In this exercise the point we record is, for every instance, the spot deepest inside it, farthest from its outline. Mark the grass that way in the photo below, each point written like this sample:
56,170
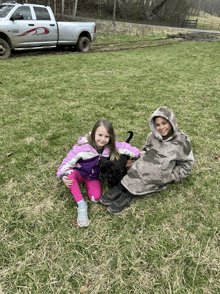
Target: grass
166,242
207,21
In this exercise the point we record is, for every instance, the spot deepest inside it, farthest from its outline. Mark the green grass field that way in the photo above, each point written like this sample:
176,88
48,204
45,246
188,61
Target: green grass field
165,242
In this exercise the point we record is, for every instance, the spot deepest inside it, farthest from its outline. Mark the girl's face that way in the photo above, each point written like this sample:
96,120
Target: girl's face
101,137
163,127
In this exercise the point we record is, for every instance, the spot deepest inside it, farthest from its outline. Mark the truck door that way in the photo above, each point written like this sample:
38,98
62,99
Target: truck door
48,35
23,28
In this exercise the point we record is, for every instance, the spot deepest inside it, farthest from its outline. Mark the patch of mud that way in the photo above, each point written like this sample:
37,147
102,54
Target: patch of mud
197,36
131,29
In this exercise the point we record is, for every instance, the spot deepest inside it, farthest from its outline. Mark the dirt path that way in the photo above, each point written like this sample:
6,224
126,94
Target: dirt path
119,46
170,39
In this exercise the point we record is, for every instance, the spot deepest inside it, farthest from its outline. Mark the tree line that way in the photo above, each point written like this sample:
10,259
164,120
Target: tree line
210,6
164,12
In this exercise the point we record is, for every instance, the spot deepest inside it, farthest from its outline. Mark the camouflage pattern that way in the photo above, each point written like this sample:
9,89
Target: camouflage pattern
165,161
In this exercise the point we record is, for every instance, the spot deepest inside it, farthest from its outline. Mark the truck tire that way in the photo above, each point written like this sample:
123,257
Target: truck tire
83,44
5,50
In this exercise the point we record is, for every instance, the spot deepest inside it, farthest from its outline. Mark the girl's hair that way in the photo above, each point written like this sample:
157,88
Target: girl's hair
114,154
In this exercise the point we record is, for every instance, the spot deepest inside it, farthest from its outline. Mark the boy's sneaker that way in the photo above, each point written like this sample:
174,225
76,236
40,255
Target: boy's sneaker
119,205
112,195
82,219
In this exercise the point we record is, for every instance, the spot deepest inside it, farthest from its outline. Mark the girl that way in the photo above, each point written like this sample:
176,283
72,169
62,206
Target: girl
81,164
166,157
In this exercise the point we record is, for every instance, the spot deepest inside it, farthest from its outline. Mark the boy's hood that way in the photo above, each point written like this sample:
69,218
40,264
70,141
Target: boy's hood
166,113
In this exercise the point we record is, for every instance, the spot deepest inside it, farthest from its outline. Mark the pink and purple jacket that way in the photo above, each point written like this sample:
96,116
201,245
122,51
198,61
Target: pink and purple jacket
84,158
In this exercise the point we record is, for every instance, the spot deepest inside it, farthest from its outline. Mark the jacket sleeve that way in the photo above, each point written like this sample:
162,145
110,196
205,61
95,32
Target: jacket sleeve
69,161
184,161
182,169
127,149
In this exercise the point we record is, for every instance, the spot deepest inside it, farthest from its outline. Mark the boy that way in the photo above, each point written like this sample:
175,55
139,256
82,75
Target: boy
166,157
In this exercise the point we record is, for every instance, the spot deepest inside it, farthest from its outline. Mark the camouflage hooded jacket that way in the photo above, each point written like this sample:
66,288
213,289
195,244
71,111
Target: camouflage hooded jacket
165,161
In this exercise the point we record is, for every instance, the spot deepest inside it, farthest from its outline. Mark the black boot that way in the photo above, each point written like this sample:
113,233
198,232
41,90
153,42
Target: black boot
118,206
112,195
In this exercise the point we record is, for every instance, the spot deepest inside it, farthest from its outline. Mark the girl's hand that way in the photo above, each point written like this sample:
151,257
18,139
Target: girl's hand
142,153
67,181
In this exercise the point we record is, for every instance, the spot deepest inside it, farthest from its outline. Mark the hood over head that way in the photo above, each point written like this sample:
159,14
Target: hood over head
166,113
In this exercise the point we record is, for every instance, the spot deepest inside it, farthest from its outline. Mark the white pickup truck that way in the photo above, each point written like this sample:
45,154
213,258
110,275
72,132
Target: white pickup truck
33,26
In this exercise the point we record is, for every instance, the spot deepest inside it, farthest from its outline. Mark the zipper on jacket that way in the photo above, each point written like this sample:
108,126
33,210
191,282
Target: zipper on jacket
99,159
91,173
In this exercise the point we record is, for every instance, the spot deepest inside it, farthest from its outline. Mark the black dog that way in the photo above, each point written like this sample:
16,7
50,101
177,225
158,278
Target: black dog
114,170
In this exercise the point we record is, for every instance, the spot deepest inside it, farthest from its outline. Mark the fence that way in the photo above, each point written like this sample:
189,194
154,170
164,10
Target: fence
190,23
209,25
202,24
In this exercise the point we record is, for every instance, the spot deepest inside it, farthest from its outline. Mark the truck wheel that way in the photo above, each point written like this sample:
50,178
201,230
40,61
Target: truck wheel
83,44
5,49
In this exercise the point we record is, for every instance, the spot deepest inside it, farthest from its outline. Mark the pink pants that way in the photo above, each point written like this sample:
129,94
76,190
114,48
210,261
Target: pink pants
93,186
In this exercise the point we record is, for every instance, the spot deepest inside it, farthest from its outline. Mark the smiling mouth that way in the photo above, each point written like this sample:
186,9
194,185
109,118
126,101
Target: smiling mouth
163,132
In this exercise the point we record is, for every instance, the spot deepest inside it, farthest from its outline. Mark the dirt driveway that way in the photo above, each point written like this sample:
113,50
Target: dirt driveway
173,35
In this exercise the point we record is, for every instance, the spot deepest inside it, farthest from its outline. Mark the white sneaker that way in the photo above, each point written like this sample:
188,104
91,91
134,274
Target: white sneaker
82,219
93,199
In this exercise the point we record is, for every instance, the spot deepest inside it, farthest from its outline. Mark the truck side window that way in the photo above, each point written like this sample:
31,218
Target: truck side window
42,13
25,10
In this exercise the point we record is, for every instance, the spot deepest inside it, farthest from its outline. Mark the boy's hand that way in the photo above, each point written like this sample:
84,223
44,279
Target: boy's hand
129,163
142,153
67,181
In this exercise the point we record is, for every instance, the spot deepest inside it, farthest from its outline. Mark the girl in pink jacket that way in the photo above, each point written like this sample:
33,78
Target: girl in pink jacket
81,164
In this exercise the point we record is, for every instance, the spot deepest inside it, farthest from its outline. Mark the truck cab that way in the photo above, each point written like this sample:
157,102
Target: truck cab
29,25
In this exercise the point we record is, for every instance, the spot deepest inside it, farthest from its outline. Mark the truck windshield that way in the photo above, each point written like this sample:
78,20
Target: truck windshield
4,10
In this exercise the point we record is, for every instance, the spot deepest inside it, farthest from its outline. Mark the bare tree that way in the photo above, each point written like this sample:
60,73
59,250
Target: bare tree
114,11
55,7
158,7
75,9
62,11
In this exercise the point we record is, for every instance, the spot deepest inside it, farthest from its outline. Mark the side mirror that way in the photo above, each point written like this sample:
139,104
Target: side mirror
17,16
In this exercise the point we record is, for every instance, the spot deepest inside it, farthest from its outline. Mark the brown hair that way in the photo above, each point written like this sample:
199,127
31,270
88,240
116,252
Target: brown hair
114,154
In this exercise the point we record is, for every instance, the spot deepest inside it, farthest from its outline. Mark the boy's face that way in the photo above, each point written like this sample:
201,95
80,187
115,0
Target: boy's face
163,127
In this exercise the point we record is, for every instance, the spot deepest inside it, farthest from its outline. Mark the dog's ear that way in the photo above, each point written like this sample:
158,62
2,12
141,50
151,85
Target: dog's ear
103,163
105,168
